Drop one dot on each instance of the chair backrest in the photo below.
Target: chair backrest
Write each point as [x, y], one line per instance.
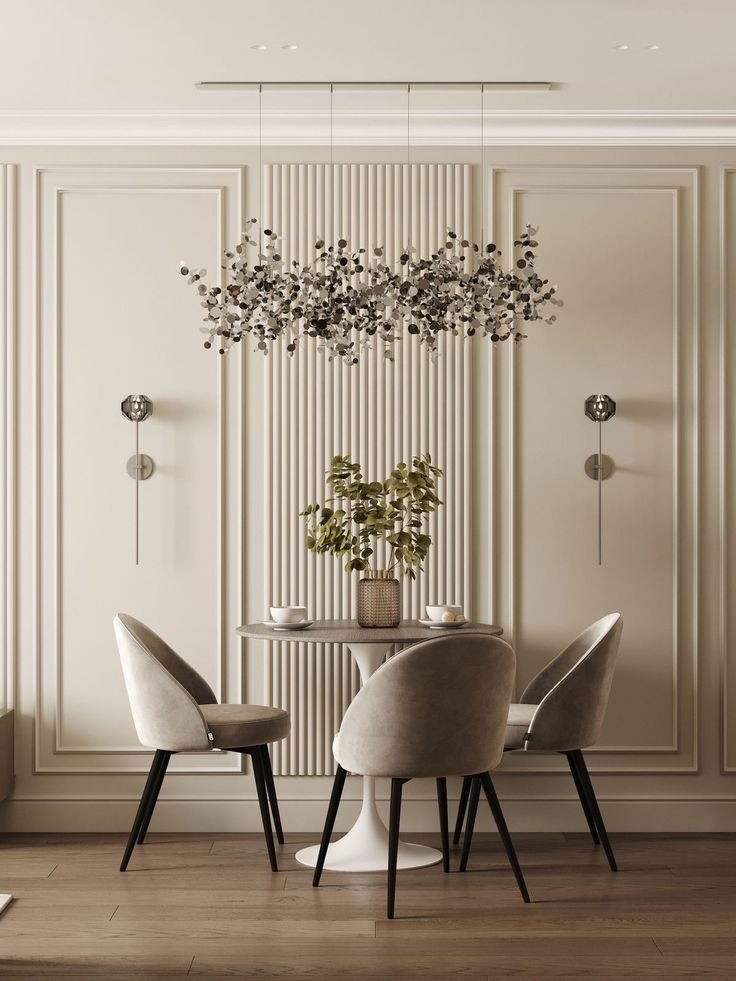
[436, 709]
[572, 690]
[164, 691]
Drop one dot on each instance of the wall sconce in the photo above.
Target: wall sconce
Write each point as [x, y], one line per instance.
[599, 408]
[137, 408]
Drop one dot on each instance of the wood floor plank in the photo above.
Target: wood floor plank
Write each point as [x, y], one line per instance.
[59, 915]
[168, 931]
[20, 960]
[13, 867]
[706, 946]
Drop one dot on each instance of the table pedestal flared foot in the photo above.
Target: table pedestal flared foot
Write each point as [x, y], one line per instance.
[365, 846]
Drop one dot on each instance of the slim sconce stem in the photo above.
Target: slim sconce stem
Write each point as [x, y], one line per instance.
[137, 490]
[599, 408]
[600, 493]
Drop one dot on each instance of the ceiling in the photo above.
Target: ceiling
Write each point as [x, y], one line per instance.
[141, 56]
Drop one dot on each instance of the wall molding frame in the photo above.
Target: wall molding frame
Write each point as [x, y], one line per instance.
[8, 478]
[368, 127]
[725, 346]
[49, 187]
[685, 513]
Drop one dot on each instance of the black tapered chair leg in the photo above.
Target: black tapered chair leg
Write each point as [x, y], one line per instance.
[337, 788]
[583, 797]
[444, 824]
[260, 779]
[470, 823]
[495, 805]
[155, 790]
[461, 808]
[397, 785]
[140, 813]
[595, 809]
[271, 788]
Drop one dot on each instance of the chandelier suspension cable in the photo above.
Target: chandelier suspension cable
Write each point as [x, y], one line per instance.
[408, 168]
[260, 236]
[482, 170]
[329, 238]
[260, 167]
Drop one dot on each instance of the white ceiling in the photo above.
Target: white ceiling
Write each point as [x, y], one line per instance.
[146, 55]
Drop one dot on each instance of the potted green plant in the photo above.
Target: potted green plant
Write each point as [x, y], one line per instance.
[361, 513]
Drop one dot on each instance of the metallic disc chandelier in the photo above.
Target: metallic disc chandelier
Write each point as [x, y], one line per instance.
[349, 298]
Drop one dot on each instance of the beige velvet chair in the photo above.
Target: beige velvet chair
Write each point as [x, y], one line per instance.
[436, 709]
[176, 711]
[562, 711]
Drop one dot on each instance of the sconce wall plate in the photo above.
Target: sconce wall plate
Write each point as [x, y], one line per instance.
[606, 466]
[140, 467]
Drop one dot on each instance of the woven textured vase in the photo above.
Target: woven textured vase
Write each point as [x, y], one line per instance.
[379, 600]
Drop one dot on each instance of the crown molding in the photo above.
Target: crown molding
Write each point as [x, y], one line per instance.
[361, 128]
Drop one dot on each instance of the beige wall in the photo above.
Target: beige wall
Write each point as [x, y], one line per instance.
[640, 243]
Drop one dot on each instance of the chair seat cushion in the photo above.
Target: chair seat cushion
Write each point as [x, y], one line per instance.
[517, 725]
[236, 726]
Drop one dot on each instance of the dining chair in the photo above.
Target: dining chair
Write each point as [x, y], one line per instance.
[436, 709]
[176, 711]
[562, 711]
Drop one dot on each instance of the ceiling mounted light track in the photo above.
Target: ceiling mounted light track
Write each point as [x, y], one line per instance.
[488, 86]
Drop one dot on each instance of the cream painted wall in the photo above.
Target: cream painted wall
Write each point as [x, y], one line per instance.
[641, 244]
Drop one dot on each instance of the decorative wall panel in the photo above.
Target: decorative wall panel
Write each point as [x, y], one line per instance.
[113, 317]
[728, 465]
[7, 434]
[379, 412]
[629, 329]
[101, 310]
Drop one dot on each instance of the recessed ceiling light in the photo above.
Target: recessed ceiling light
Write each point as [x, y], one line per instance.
[622, 47]
[652, 47]
[289, 47]
[258, 47]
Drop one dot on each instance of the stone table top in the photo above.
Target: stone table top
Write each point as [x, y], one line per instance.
[348, 632]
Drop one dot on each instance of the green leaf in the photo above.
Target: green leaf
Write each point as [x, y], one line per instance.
[393, 510]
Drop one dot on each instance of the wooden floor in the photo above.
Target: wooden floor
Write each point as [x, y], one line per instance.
[205, 906]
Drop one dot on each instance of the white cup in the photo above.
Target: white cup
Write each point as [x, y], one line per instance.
[436, 613]
[288, 614]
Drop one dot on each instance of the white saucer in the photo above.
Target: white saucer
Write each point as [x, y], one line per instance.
[286, 626]
[438, 625]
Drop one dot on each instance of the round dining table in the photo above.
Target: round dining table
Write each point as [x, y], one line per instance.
[364, 848]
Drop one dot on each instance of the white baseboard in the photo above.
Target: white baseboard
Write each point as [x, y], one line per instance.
[307, 815]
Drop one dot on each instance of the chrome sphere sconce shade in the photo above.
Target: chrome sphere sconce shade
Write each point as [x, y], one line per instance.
[137, 408]
[599, 408]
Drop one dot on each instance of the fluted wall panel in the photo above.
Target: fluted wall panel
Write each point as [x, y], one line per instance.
[379, 412]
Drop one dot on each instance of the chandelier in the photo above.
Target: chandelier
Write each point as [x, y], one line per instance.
[349, 299]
